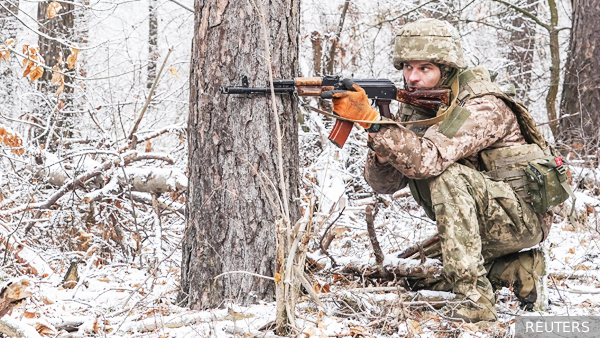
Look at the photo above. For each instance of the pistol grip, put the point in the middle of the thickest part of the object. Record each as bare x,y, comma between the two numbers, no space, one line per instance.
339,133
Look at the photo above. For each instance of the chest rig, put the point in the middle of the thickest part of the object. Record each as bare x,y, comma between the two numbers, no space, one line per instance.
533,170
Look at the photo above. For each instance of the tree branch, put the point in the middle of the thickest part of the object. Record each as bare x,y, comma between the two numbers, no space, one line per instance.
526,13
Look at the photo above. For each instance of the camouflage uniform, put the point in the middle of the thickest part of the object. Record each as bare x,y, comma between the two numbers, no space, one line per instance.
478,219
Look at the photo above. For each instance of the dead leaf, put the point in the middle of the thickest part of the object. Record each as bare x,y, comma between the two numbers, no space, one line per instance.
72,59
148,146
414,326
29,315
45,330
55,75
173,71
46,300
105,280
53,9
572,251
471,327
12,140
277,277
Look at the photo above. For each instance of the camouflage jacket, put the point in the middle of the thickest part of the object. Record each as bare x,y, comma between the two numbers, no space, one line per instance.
491,125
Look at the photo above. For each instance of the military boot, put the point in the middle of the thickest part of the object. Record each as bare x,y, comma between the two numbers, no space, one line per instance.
525,273
482,309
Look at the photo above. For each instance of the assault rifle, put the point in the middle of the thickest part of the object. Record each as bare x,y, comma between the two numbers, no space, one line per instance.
381,91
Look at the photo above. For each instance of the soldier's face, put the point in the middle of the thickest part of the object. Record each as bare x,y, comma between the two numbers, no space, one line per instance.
421,74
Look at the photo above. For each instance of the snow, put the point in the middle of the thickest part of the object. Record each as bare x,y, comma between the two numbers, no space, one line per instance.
129,257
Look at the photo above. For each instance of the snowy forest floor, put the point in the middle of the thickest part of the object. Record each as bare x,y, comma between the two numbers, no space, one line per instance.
138,299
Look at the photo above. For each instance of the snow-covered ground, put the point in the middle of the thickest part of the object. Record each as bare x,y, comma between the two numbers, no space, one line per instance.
127,299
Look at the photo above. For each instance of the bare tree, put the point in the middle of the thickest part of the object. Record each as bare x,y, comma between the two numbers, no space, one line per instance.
152,42
8,30
552,28
233,157
522,46
581,90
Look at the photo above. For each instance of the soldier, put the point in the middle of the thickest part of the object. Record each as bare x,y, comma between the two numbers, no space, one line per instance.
466,171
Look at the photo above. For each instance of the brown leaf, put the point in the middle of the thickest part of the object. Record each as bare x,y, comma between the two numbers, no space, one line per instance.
29,314
414,327
53,9
46,300
11,140
148,146
10,42
277,277
60,89
173,71
45,330
72,59
56,76
36,73
4,53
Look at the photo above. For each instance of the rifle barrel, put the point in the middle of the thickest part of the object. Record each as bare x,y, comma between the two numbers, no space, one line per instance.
256,90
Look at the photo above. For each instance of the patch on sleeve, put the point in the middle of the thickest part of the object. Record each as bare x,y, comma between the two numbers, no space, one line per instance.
451,124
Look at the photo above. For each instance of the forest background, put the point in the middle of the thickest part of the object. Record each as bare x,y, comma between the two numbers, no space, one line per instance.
95,130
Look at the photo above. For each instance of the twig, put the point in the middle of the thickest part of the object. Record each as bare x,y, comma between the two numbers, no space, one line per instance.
182,5
309,288
558,119
373,237
149,98
325,247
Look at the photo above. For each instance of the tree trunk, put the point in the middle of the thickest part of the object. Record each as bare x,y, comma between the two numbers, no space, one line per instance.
56,53
230,217
152,42
581,89
554,68
522,46
60,26
8,30
8,22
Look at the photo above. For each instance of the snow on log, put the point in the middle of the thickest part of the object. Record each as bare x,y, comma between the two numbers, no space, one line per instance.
155,322
393,267
13,292
10,295
157,180
15,328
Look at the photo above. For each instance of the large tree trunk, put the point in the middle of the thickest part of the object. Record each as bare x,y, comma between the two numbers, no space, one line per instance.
230,220
581,90
60,27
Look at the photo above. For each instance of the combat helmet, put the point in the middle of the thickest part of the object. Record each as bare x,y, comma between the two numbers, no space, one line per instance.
429,39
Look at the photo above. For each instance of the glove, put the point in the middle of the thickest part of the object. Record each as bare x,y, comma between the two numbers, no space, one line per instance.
352,104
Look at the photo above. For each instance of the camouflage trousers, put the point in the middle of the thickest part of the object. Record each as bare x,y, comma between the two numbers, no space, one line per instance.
478,220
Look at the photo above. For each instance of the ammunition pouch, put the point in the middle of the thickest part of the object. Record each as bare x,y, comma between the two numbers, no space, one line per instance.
547,183
536,176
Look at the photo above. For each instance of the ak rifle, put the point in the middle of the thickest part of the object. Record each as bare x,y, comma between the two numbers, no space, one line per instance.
381,91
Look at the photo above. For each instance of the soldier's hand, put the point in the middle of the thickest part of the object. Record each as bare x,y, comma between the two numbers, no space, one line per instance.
352,103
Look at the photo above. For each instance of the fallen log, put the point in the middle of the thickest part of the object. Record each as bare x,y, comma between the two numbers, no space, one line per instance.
394,268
